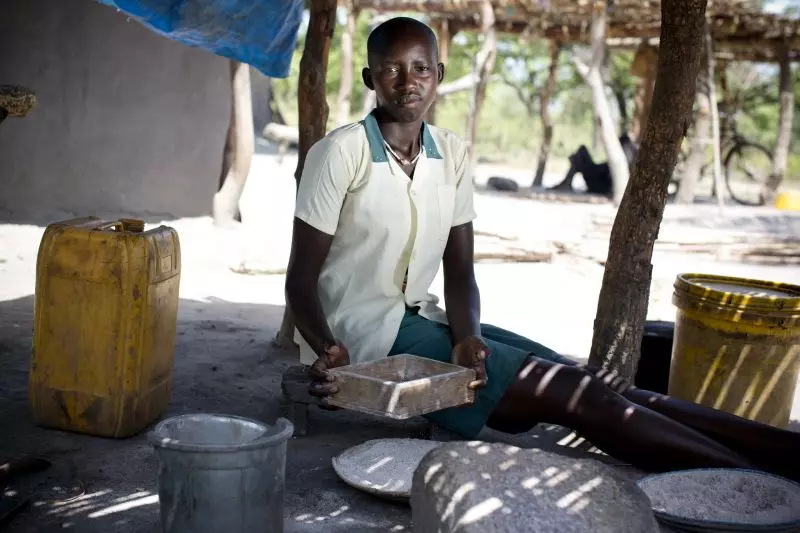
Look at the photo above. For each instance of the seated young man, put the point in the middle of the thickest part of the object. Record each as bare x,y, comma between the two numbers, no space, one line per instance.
380,205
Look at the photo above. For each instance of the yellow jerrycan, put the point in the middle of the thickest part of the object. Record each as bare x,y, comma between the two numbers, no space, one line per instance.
104,327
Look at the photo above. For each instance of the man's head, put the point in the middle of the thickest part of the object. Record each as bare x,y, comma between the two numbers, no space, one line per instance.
404,69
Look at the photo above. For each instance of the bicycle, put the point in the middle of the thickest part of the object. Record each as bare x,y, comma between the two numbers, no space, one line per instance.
746,164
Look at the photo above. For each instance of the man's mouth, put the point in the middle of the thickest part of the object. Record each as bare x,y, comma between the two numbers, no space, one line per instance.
408,99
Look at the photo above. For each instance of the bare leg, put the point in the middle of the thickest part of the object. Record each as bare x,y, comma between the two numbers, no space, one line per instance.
572,397
579,161
770,447
566,183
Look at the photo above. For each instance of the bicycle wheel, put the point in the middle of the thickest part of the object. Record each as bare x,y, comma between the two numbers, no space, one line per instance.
747,166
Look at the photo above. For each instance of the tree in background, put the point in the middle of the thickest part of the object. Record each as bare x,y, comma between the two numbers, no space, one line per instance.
622,85
591,69
312,108
625,293
511,129
239,147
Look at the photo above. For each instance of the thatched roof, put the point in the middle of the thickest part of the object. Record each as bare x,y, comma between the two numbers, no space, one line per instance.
739,31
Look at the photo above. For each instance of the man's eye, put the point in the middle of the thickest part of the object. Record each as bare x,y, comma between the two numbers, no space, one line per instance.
423,68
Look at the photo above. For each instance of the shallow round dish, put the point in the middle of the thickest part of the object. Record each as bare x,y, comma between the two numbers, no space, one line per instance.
735,491
384,467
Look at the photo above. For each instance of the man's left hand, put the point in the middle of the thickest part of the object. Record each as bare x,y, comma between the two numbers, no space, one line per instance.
472,352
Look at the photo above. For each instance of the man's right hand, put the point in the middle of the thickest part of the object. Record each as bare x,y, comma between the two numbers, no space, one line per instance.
323,383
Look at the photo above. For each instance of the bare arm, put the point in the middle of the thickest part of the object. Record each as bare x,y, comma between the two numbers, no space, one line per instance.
461,296
309,249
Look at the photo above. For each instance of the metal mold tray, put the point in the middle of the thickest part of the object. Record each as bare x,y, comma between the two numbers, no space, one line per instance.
402,386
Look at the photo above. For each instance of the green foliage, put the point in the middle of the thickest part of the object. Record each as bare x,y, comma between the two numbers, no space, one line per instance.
359,62
286,89
509,126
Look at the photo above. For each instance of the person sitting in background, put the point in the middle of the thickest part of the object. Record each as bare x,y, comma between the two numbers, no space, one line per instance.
380,205
596,175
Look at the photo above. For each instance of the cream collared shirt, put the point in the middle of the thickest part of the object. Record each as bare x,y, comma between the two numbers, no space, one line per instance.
383,225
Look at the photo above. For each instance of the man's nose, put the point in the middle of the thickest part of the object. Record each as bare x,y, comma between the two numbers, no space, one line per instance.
406,80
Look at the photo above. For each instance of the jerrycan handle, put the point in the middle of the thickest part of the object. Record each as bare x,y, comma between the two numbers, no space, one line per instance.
124,224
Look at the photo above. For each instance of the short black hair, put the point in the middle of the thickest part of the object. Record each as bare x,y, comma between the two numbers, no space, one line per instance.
382,36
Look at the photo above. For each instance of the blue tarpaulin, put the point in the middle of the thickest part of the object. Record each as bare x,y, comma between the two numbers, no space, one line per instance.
261,33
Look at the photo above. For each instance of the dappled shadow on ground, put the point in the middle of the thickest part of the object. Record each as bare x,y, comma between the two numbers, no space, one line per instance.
476,487
224,362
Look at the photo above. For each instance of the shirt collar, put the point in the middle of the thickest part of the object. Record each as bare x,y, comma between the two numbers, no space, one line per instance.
377,149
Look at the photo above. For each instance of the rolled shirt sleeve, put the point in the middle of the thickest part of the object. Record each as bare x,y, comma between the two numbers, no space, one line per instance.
323,186
464,208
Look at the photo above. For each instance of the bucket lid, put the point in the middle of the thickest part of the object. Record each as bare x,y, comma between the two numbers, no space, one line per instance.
740,292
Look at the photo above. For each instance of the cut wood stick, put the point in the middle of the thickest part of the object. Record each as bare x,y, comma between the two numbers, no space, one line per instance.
526,257
479,233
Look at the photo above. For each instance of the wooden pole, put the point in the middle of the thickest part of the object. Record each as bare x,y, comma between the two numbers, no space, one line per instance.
701,137
346,81
624,295
645,64
445,37
484,66
715,133
370,101
312,107
592,74
370,98
239,147
780,156
544,113
597,133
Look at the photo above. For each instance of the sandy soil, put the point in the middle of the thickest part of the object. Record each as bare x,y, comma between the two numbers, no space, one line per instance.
224,360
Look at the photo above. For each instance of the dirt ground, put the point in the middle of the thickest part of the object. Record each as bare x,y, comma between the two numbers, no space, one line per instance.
224,360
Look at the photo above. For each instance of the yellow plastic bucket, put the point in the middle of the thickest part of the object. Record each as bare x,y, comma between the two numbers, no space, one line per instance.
788,201
737,345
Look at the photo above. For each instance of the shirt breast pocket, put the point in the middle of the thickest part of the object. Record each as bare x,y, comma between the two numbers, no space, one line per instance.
447,202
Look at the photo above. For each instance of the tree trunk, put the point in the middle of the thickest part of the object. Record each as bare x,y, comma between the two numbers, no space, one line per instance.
312,107
700,140
445,38
781,154
544,113
617,162
464,83
260,96
622,106
484,66
622,304
346,82
642,101
715,133
597,139
644,67
722,80
239,147
370,100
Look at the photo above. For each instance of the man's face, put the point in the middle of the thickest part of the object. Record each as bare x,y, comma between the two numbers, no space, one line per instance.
404,76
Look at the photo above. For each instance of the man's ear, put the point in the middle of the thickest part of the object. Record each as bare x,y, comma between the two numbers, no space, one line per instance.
366,76
440,68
